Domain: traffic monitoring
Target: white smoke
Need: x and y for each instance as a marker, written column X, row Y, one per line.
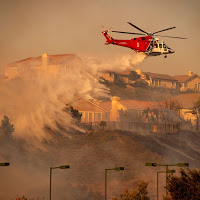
column 115, row 63
column 36, row 103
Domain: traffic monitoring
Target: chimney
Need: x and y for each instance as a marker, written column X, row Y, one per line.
column 190, row 73
column 45, row 61
column 114, row 114
column 139, row 71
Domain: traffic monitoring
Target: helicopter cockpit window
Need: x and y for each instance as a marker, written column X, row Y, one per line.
column 165, row 47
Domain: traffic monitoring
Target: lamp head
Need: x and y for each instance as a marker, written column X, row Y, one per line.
column 150, row 164
column 4, row 164
column 183, row 164
column 64, row 167
column 119, row 168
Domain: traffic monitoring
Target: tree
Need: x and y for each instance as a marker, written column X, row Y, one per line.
column 186, row 186
column 139, row 194
column 134, row 76
column 140, row 83
column 103, row 124
column 119, row 81
column 74, row 113
column 6, row 127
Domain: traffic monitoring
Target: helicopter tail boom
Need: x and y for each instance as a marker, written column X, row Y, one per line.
column 109, row 39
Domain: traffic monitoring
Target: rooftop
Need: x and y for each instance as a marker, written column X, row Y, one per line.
column 160, row 76
column 184, row 78
column 52, row 60
column 186, row 100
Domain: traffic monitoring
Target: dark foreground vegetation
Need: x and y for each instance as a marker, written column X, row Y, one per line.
column 88, row 155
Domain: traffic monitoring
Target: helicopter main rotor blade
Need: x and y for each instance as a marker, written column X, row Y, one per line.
column 164, row 30
column 171, row 37
column 129, row 33
column 137, row 28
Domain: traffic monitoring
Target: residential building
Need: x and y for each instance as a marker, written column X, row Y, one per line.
column 31, row 68
column 109, row 76
column 159, row 80
column 187, row 102
column 154, row 80
column 190, row 81
column 95, row 110
column 91, row 111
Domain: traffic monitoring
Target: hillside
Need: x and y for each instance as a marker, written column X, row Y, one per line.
column 89, row 155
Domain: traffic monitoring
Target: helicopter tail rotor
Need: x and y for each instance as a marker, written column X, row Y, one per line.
column 105, row 32
column 109, row 39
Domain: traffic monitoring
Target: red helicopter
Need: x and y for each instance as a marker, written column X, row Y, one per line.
column 147, row 44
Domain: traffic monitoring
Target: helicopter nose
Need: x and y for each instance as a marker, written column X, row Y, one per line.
column 171, row 51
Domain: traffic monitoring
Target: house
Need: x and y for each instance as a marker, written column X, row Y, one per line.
column 190, row 81
column 187, row 102
column 95, row 110
column 116, row 104
column 153, row 79
column 31, row 68
column 109, row 76
column 159, row 80
column 127, row 76
column 91, row 110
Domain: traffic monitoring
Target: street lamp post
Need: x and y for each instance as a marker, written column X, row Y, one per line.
column 169, row 171
column 167, row 165
column 116, row 169
column 61, row 167
column 4, row 164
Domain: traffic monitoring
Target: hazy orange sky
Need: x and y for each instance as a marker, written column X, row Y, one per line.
column 33, row 27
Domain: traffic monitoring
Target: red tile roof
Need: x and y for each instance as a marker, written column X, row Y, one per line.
column 131, row 104
column 134, row 104
column 160, row 76
column 186, row 100
column 106, row 105
column 52, row 60
column 184, row 78
column 85, row 105
column 125, row 72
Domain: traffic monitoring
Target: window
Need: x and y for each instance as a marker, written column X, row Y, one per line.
column 160, row 45
column 90, row 117
column 86, row 117
column 99, row 116
column 156, row 83
column 143, row 38
column 95, row 117
column 197, row 87
column 155, row 45
column 185, row 85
